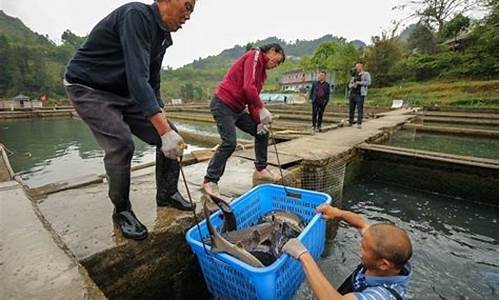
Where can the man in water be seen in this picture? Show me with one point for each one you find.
(384, 272)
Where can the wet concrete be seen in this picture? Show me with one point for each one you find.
(32, 265)
(461, 181)
(339, 142)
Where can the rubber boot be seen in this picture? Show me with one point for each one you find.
(167, 178)
(123, 216)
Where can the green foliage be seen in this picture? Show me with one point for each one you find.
(456, 25)
(382, 58)
(477, 57)
(339, 56)
(422, 39)
(189, 91)
(438, 12)
(293, 51)
(33, 65)
(445, 93)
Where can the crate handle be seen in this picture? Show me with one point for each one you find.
(293, 195)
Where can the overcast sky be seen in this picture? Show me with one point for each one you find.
(219, 24)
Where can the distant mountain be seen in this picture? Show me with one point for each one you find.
(405, 34)
(293, 51)
(30, 63)
(15, 30)
(358, 44)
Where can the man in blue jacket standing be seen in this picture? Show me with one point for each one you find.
(113, 82)
(319, 96)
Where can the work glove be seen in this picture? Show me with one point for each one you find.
(172, 144)
(262, 129)
(294, 248)
(265, 116)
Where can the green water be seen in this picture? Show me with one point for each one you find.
(455, 243)
(455, 125)
(206, 128)
(49, 150)
(451, 144)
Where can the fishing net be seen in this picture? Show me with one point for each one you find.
(325, 176)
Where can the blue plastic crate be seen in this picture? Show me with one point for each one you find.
(230, 278)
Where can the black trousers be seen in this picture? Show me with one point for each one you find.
(356, 100)
(227, 121)
(113, 120)
(318, 108)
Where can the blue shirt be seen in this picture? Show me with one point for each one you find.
(373, 287)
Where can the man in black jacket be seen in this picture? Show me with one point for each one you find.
(114, 83)
(319, 96)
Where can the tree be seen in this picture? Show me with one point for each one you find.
(338, 56)
(248, 46)
(484, 45)
(187, 91)
(70, 38)
(422, 39)
(456, 25)
(6, 63)
(382, 57)
(436, 12)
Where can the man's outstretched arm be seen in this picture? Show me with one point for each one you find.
(322, 289)
(353, 219)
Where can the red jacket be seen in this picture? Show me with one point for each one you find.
(241, 87)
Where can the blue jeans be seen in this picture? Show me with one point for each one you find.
(356, 100)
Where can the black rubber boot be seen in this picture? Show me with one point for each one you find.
(123, 216)
(167, 177)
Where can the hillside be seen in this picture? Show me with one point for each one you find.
(31, 63)
(15, 30)
(294, 51)
(199, 79)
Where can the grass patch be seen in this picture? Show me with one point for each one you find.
(473, 94)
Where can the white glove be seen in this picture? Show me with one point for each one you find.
(172, 144)
(294, 248)
(262, 129)
(265, 116)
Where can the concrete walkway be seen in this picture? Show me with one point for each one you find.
(32, 264)
(336, 142)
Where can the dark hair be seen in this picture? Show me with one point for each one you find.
(277, 47)
(324, 72)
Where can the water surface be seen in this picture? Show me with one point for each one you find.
(49, 150)
(444, 143)
(455, 243)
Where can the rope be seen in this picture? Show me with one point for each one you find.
(192, 205)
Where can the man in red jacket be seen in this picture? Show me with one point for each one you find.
(240, 89)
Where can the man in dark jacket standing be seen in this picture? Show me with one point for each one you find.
(319, 96)
(114, 83)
